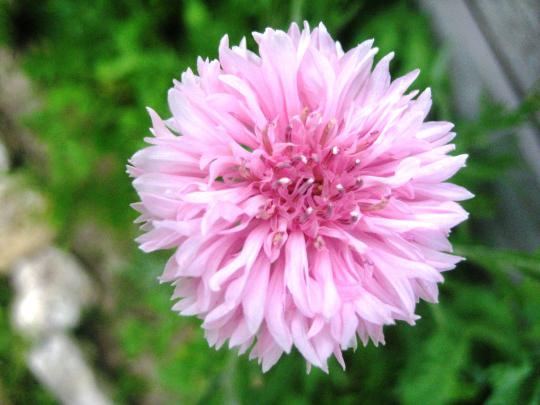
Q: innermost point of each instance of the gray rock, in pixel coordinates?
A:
(4, 159)
(59, 364)
(16, 96)
(23, 229)
(51, 289)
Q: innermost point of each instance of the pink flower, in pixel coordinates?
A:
(304, 193)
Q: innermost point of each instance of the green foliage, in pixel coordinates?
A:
(414, 45)
(97, 64)
(17, 385)
(508, 383)
(148, 330)
(440, 381)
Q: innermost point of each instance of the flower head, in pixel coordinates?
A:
(304, 193)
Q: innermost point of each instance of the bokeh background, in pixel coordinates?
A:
(82, 317)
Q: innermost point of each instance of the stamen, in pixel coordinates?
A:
(335, 150)
(307, 213)
(354, 165)
(277, 239)
(319, 242)
(380, 205)
(370, 138)
(288, 134)
(303, 188)
(267, 211)
(329, 210)
(266, 141)
(244, 171)
(283, 165)
(326, 131)
(304, 114)
(284, 181)
(340, 187)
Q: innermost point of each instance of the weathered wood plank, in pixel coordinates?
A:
(476, 66)
(494, 47)
(512, 28)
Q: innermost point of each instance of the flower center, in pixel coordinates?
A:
(306, 180)
(317, 186)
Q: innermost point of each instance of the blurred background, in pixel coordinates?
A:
(83, 319)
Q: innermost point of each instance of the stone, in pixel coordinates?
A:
(23, 229)
(16, 96)
(51, 290)
(59, 364)
(4, 159)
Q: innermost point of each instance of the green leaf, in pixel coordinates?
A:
(502, 260)
(434, 370)
(508, 383)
